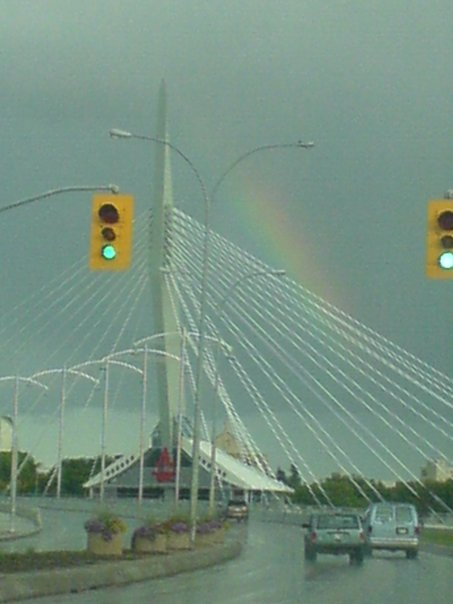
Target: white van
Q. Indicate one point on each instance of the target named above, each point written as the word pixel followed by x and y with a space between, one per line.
pixel 392 526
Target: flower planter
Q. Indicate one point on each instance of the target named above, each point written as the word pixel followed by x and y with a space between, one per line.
pixel 177 541
pixel 96 544
pixel 144 545
pixel 218 536
pixel 204 539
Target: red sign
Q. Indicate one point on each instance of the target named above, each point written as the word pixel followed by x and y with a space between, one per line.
pixel 165 469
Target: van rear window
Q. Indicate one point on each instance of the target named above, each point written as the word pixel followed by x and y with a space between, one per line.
pixel 403 515
pixel 384 514
pixel 338 522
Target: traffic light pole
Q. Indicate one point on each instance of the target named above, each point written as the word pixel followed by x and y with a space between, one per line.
pixel 112 188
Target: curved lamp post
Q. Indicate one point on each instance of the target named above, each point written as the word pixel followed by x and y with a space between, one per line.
pixel 184 335
pixel 64 372
pixel 117 133
pixel 110 360
pixel 145 350
pixel 14 448
pixel 220 309
pixel 144 372
pixel 52 192
pixel 181 360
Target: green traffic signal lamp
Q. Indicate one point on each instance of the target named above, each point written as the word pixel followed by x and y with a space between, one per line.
pixel 108 252
pixel 446 260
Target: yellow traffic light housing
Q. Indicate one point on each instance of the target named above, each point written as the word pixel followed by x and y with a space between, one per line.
pixel 439 258
pixel 111 232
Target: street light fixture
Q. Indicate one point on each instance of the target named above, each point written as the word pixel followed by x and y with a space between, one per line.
pixel 220 308
pixel 124 134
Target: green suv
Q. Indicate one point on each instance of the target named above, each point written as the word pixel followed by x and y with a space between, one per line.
pixel 334 533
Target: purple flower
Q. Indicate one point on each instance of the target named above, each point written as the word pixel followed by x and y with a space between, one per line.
pixel 149 531
pixel 179 527
pixel 204 529
pixel 106 525
pixel 94 526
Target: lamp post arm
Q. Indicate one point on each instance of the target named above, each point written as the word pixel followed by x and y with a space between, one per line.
pixel 52 192
pixel 222 177
pixel 116 133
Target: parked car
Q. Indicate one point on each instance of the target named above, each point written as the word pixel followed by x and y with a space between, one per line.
pixel 334 533
pixel 237 509
pixel 392 526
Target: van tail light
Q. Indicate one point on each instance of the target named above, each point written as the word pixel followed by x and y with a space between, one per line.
pixel 313 536
pixel 417 530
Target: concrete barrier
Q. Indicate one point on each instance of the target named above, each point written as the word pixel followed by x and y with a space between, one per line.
pixel 22 586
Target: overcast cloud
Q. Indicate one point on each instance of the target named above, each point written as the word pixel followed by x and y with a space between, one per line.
pixel 370 82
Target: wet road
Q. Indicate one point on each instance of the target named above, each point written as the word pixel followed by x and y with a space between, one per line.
pixel 271 570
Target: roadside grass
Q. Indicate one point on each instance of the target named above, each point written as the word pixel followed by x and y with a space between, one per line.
pixel 31 560
pixel 437 536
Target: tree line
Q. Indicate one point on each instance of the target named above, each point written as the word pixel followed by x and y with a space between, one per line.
pixel 32 480
pixel 357 491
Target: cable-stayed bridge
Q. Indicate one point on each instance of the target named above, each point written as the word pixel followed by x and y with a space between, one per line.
pixel 286 377
pixel 297 380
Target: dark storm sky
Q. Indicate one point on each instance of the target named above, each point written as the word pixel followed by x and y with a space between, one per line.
pixel 369 82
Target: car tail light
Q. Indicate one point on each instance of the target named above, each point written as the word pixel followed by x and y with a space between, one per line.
pixel 370 530
pixel 313 536
pixel 362 536
pixel 417 530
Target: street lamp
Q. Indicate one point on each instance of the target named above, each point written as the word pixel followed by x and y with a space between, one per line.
pixel 144 372
pixel 182 363
pixel 111 360
pixel 184 335
pixel 123 134
pixel 220 308
pixel 52 192
pixel 64 372
pixel 14 446
pixel 146 351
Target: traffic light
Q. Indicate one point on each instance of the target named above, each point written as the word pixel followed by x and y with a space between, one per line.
pixel 439 258
pixel 111 232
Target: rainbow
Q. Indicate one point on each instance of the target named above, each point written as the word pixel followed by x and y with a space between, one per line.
pixel 287 242
pixel 275 231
